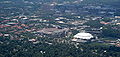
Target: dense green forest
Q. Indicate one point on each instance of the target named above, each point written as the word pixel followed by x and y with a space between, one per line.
pixel 13 48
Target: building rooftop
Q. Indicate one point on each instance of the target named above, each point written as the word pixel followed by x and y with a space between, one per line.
pixel 83 36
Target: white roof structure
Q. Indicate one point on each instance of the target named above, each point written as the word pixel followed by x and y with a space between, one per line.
pixel 86 36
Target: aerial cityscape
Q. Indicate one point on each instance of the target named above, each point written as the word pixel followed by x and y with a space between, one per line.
pixel 59 28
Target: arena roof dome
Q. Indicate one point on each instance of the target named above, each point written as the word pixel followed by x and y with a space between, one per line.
pixel 83 36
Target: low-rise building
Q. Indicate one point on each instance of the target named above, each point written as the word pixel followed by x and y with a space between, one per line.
pixel 82 37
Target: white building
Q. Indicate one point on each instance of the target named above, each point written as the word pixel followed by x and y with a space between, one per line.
pixel 82 37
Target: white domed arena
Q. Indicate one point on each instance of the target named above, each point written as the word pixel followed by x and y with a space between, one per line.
pixel 82 37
